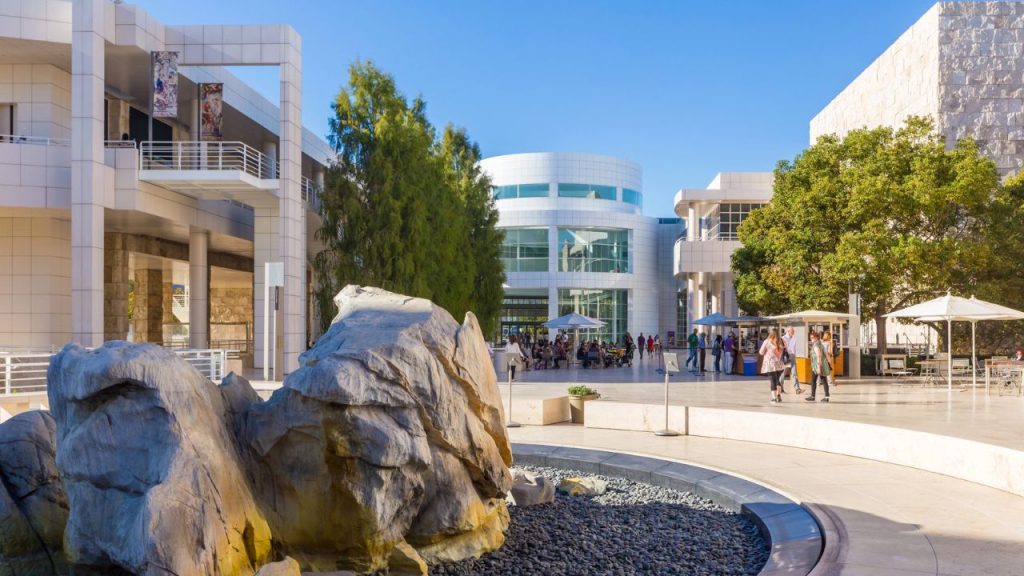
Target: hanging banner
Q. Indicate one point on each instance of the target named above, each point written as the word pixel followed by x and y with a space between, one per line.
pixel 211 111
pixel 165 84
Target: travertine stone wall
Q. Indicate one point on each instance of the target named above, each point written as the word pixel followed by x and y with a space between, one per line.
pixel 115 287
pixel 962 64
pixel 230 313
pixel 149 306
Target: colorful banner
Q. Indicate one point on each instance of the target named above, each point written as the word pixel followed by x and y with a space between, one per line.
pixel 211 111
pixel 165 84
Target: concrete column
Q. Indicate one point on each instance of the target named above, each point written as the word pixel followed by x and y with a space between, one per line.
pixel 115 287
pixel 691 223
pixel 702 297
pixel 270 151
pixel 293 213
pixel 318 177
pixel 267 225
pixel 716 292
pixel 691 301
pixel 198 289
pixel 87 182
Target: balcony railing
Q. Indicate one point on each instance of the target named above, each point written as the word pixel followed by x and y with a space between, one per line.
pixel 35 140
pixel 198 156
pixel 311 193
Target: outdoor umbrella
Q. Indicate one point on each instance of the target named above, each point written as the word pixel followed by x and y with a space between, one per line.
pixel 951 309
pixel 574 321
pixel 716 319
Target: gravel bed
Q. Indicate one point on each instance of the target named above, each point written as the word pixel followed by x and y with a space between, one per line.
pixel 633 528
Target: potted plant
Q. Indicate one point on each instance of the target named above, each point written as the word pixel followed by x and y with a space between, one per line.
pixel 578 395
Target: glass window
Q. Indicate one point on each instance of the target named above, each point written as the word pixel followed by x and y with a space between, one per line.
pixel 632 197
pixel 511 191
pixel 593 250
pixel 586 191
pixel 525 250
pixel 611 306
pixel 730 216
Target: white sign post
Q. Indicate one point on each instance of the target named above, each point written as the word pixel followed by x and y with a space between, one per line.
pixel 273 277
pixel 510 357
pixel 671 367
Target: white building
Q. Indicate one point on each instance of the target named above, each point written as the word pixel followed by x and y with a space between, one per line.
pixel 703 257
pixel 961 64
pixel 99 201
pixel 576 241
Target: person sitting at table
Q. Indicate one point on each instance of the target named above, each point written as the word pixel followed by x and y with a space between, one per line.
pixel 583 353
pixel 593 354
pixel 1019 357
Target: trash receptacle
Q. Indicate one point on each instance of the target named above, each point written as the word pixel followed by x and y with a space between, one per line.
pixel 750 365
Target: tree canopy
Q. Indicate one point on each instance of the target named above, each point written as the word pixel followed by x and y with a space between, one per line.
pixel 404 209
pixel 890 213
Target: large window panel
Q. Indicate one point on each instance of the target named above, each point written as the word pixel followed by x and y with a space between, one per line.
pixel 511 191
pixel 525 250
pixel 610 306
pixel 592 191
pixel 632 197
pixel 593 250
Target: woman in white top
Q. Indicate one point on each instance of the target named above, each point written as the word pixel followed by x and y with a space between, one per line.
pixel 513 348
pixel 771 363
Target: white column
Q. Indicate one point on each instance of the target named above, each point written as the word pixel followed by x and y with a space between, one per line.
pixel 702 298
pixel 293 213
pixel 691 223
pixel 199 289
pixel 266 227
pixel 270 156
pixel 691 301
pixel 318 177
pixel 716 291
pixel 87 89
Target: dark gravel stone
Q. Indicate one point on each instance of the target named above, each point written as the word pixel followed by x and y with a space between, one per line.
pixel 633 528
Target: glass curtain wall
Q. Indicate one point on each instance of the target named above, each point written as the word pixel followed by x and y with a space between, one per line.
pixel 723 221
pixel 525 250
pixel 592 191
pixel 521 191
pixel 611 306
pixel 593 250
pixel 632 197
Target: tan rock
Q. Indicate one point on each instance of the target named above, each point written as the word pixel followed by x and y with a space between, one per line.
pixel 405 561
pixel 286 567
pixel 587 486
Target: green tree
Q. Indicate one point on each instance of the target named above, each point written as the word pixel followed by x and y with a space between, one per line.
pixel 398 209
pixel 891 214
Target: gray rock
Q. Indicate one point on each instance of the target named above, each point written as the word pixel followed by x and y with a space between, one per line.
pixel 286 567
pixel 529 489
pixel 153 478
pixel 583 486
pixel 33 506
pixel 391 431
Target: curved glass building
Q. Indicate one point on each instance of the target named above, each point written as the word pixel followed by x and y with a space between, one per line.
pixel 576 241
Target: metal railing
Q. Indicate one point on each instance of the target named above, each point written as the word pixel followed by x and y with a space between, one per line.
pixel 36 140
pixel 25 372
pixel 119 144
pixel 189 155
pixel 311 193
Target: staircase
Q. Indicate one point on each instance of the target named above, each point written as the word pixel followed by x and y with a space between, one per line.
pixel 179 306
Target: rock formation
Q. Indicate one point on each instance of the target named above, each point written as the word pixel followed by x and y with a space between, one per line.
pixel 153 477
pixel 529 489
pixel 386 449
pixel 33 507
pixel 390 432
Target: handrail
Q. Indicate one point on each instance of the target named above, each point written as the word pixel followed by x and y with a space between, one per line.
pixel 190 155
pixel 311 193
pixel 37 140
pixel 119 144
pixel 25 372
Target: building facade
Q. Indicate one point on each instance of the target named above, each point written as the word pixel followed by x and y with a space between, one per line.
pixel 576 241
pixel 703 256
pixel 961 64
pixel 117 224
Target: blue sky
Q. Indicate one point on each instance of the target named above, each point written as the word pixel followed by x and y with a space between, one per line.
pixel 685 88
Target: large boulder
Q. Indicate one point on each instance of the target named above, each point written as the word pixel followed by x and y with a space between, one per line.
pixel 33 506
pixel 153 477
pixel 529 489
pixel 391 431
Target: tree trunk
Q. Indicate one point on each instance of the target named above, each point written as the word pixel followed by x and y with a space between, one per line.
pixel 880 331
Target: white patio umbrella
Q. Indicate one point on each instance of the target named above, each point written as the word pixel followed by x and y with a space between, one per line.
pixel 574 321
pixel 951 309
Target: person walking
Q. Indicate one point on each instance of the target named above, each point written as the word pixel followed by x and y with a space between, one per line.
pixel 513 348
pixel 832 350
pixel 641 342
pixel 650 346
pixel 691 344
pixel 821 367
pixel 702 348
pixel 790 340
pixel 729 348
pixel 716 351
pixel 771 363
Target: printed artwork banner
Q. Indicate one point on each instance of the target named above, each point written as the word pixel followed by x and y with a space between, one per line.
pixel 211 111
pixel 165 84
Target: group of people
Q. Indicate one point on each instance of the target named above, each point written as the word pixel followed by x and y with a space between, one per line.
pixel 554 354
pixel 697 346
pixel 779 355
pixel 650 344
